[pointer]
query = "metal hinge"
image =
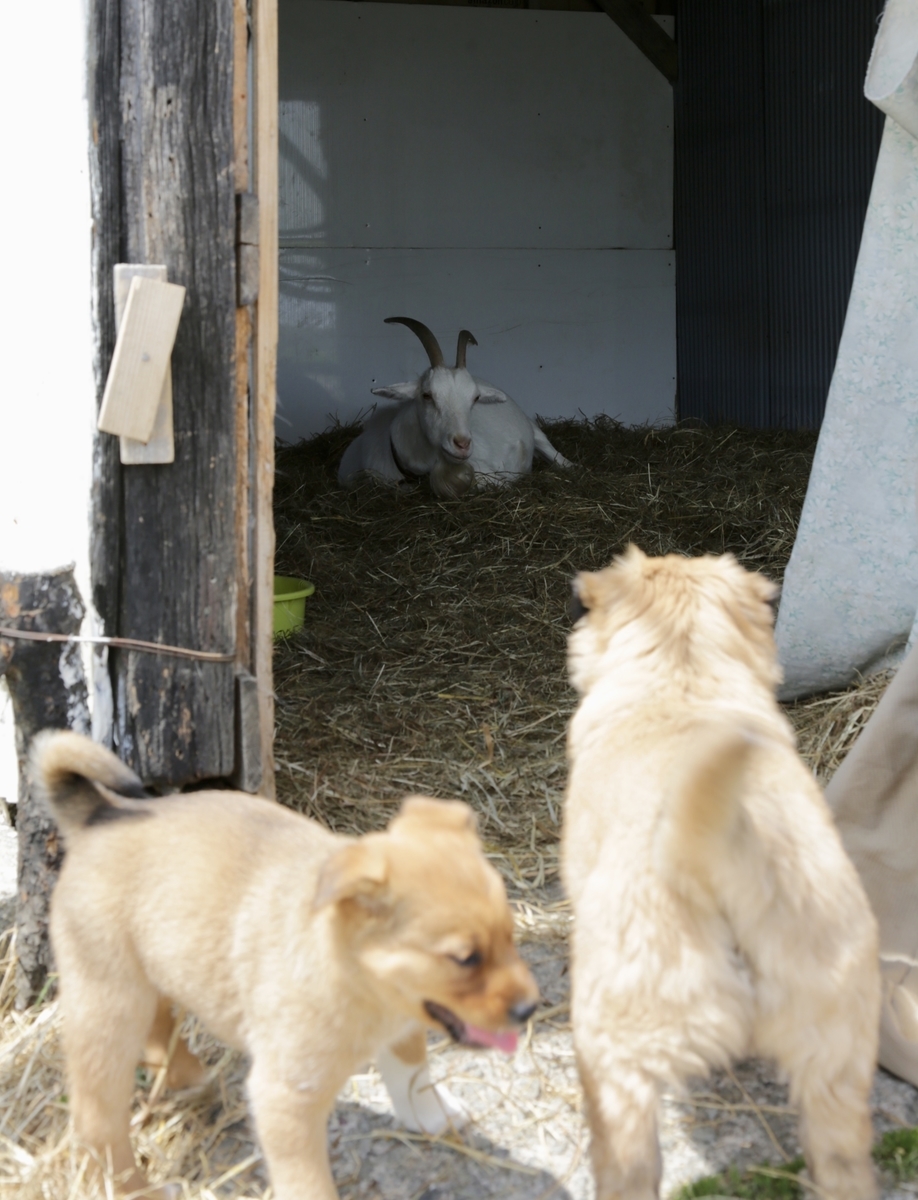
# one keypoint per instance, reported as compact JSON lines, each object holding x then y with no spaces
{"x":247,"y":259}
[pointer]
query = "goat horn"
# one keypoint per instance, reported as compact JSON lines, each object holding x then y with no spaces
{"x":428,"y":341}
{"x":465,"y":339}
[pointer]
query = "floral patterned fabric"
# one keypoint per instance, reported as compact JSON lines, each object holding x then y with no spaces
{"x":851,"y":586}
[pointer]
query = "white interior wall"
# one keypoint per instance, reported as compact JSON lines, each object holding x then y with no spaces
{"x":47,"y":340}
{"x":508,"y":171}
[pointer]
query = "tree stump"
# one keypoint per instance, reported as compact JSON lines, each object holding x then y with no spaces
{"x":48,"y":690}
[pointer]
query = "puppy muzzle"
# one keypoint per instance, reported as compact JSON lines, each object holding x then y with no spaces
{"x":475,"y":1037}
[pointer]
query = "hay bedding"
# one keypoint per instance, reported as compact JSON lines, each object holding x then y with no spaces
{"x":433,"y":653}
{"x":433,"y":660}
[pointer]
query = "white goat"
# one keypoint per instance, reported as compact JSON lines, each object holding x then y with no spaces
{"x":449,"y":425}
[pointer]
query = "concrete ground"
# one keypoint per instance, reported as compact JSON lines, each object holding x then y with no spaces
{"x":527,"y":1139}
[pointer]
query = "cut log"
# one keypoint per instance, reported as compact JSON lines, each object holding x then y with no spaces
{"x":48,"y":690}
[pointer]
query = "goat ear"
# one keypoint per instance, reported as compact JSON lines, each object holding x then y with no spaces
{"x":398,"y":391}
{"x":491,"y":395}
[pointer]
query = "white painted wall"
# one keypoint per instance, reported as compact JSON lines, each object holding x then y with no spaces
{"x":509,"y":171}
{"x":46,"y":332}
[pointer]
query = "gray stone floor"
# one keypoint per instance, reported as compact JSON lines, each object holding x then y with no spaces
{"x":527,"y":1139}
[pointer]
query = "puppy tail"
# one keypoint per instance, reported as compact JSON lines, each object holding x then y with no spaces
{"x":81,"y":782}
{"x":705,"y":807}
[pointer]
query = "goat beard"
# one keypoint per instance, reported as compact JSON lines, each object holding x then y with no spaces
{"x":451,"y":480}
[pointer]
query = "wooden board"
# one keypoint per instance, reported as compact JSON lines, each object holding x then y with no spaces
{"x":146,"y":336}
{"x":161,"y":445}
{"x":266,"y":313}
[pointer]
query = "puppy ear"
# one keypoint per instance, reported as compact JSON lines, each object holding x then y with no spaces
{"x":587,"y":593}
{"x":443,"y":814}
{"x":760,"y":591}
{"x":632,"y":555}
{"x":358,"y":872}
{"x":765,"y":589}
{"x":774,"y":600}
{"x":575,"y":606}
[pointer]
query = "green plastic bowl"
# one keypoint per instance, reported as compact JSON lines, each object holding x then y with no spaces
{"x":290,"y":603}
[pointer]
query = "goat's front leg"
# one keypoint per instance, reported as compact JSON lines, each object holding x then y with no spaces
{"x":419,"y":1104}
{"x":291,"y":1121}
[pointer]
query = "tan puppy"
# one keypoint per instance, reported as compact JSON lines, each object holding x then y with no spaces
{"x":308,"y":950}
{"x":715,"y":911}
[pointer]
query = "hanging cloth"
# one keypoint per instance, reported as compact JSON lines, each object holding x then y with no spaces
{"x":852,"y":582}
{"x":874,"y":796}
{"x":851,"y":586}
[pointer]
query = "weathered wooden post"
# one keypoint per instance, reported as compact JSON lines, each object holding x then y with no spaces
{"x":48,"y":690}
{"x":174,"y":557}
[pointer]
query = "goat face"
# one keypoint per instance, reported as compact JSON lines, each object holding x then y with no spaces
{"x":444,"y":395}
{"x":447,"y":395}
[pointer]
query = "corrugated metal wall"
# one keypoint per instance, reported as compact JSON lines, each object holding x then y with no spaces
{"x":775,"y":151}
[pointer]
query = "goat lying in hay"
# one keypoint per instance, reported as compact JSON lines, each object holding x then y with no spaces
{"x":449,"y":425}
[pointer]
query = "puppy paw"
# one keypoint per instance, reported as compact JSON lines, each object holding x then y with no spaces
{"x":432,"y":1110}
{"x":421,"y":1106}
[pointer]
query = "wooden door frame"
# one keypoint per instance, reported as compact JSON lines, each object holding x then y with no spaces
{"x":265,"y":356}
{"x":143,"y":76}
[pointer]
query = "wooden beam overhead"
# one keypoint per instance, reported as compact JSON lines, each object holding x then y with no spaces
{"x":638,"y":26}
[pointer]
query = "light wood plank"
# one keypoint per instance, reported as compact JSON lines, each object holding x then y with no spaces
{"x":265,"y":155}
{"x":244,"y":361}
{"x":145,"y":340}
{"x":161,"y":446}
{"x":244,"y":497}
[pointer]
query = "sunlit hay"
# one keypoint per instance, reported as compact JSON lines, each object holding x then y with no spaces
{"x":203,"y":1139}
{"x":432,"y":658}
{"x":828,"y":725}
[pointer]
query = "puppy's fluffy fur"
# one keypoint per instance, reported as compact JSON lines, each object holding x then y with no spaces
{"x":308,"y":950}
{"x":715,"y":911}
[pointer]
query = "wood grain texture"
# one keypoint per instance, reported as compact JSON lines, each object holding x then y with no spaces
{"x":241,"y":92}
{"x":104,"y":101}
{"x":48,"y":691}
{"x":243,"y":491}
{"x":266,"y":151}
{"x":164,"y":564}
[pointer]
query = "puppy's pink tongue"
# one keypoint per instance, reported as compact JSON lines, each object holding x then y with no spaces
{"x":498,"y":1041}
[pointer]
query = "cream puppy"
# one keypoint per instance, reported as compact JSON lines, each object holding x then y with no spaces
{"x":715,"y":911}
{"x":310,"y":951}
